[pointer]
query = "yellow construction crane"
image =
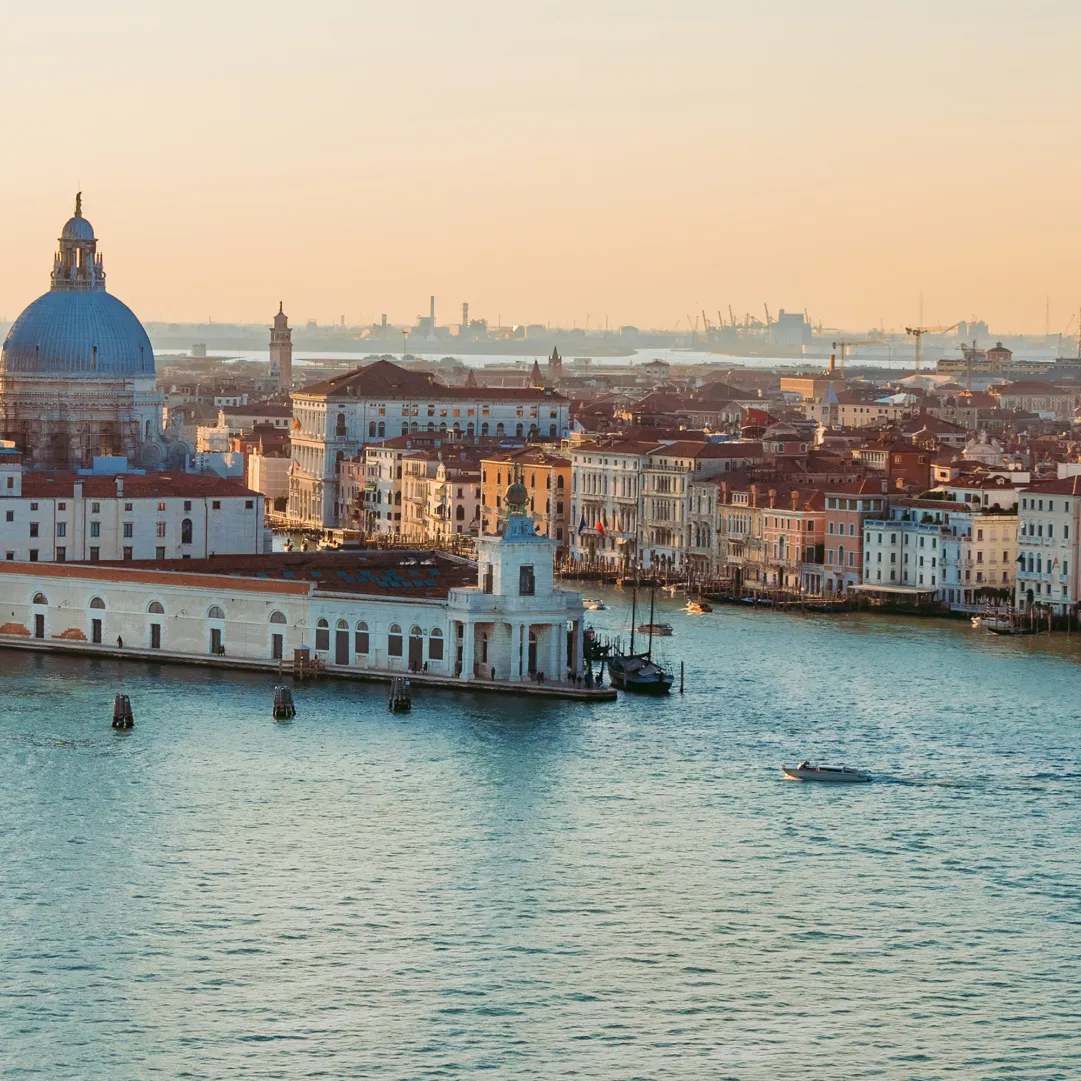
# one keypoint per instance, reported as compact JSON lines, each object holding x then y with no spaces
{"x":919,"y":332}
{"x":843,"y":344}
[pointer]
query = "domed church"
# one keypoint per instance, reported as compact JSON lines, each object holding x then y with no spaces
{"x":77,"y":369}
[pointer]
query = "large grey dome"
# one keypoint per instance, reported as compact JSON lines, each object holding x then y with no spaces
{"x":88,"y":333}
{"x":77,"y":328}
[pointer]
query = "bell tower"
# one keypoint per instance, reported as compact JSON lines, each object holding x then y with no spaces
{"x":281,"y":350}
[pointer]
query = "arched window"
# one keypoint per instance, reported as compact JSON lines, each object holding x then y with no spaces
{"x":278,"y":617}
{"x":435,"y":645}
{"x":442,"y":425}
{"x":339,"y":426}
{"x":484,"y":428}
{"x":518,"y":429}
{"x":431,"y":426}
{"x":459,"y":513}
{"x":342,"y":625}
{"x":40,"y":598}
{"x":371,"y":428}
{"x":469,"y":429}
{"x":552,"y":430}
{"x":499,"y":428}
{"x":457,"y":425}
{"x":382,"y":429}
{"x":215,"y":613}
{"x":155,"y":608}
{"x":405,"y":427}
{"x":559,"y":482}
{"x":397,"y":499}
{"x":185,"y":531}
{"x":322,"y":635}
{"x":394,"y":641}
{"x":96,"y":602}
{"x":361,"y":643}
{"x":338,"y":461}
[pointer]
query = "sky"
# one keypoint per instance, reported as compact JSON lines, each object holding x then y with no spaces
{"x":552,"y":161}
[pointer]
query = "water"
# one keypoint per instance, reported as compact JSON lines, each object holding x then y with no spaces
{"x":545,"y":891}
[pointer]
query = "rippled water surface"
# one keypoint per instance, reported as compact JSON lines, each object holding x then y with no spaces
{"x":546,"y":890}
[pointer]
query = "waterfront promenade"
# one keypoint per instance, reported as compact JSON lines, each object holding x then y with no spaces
{"x":512,"y":885}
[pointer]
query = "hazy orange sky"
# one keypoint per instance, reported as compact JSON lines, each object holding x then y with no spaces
{"x":553,"y":160}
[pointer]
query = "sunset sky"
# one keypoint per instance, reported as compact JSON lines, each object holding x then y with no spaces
{"x":551,"y":161}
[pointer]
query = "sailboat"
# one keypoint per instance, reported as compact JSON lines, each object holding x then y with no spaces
{"x":637,"y":672}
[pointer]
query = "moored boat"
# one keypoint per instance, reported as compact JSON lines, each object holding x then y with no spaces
{"x":659,"y":630}
{"x":830,"y":774}
{"x":638,"y":673}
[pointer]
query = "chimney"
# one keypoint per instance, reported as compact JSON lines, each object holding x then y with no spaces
{"x":724,"y":491}
{"x":754,"y":495}
{"x":772,"y":497}
{"x":833,"y":362}
{"x":119,"y":486}
{"x":795,"y":500}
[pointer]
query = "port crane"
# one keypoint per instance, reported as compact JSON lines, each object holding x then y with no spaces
{"x":842,"y":345}
{"x":919,"y":332}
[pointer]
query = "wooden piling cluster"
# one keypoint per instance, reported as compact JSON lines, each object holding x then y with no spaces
{"x":122,"y":715}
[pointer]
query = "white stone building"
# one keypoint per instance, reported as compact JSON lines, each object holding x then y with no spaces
{"x":504,"y":623}
{"x":1047,"y":545}
{"x":334,"y":420}
{"x":46,"y":517}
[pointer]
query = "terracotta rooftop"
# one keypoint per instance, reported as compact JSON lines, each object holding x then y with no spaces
{"x":136,"y":486}
{"x":403,"y":573}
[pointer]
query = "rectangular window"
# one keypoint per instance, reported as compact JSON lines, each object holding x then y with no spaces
{"x":187,"y":504}
{"x":488,"y":578}
{"x":95,"y":529}
{"x":160,"y":529}
{"x":127,"y":506}
{"x":95,"y":508}
{"x":9,"y":555}
{"x":129,"y":529}
{"x":61,"y":529}
{"x":33,"y":529}
{"x":129,"y":553}
{"x":10,"y":516}
{"x":33,"y":555}
{"x":159,"y":553}
{"x":95,"y":555}
{"x":61,"y":555}
{"x":249,"y":504}
{"x":215,"y":504}
{"x":161,"y":506}
{"x":526,"y":581}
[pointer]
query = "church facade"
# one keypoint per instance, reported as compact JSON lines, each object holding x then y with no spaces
{"x":77,"y":370}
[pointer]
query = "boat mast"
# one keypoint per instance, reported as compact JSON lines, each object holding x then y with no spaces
{"x":634,"y":607}
{"x":652,"y":595}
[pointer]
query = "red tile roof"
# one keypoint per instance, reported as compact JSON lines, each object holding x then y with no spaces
{"x":136,"y":486}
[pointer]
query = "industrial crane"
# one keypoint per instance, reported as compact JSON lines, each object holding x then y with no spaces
{"x":843,"y":344}
{"x":919,"y":332}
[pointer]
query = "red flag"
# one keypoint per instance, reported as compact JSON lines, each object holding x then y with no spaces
{"x":600,"y":528}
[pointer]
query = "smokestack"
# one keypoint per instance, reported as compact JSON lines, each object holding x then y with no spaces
{"x":833,"y":362}
{"x":465,"y":315}
{"x":384,"y":319}
{"x":431,"y":309}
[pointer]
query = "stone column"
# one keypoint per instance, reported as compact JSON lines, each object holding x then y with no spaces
{"x":579,"y":647}
{"x":516,"y":652}
{"x":467,"y":651}
{"x":555,"y":664}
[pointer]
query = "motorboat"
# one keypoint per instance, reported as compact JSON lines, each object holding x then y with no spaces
{"x":698,"y":608}
{"x":830,"y":774}
{"x":593,"y":604}
{"x":658,"y":630}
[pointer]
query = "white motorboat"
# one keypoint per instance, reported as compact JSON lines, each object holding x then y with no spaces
{"x":594,"y":605}
{"x":830,"y":774}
